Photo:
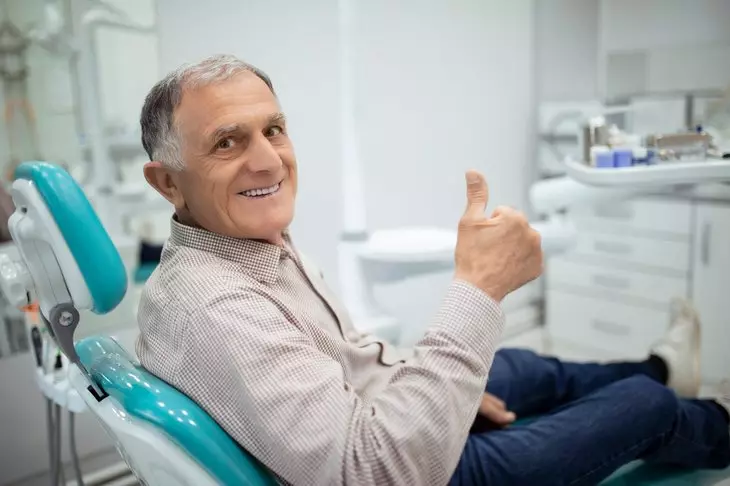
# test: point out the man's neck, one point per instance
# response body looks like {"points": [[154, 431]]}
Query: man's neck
{"points": [[277, 239]]}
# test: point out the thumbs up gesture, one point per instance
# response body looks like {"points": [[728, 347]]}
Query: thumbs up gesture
{"points": [[498, 254]]}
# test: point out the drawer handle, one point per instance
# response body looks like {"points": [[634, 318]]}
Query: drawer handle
{"points": [[612, 282], [615, 211], [705, 247], [610, 327], [612, 247]]}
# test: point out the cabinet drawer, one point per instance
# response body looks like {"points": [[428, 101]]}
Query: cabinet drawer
{"points": [[627, 330], [620, 248], [603, 279], [657, 215], [710, 283]]}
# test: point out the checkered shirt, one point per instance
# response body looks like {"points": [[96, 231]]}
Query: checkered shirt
{"points": [[250, 331]]}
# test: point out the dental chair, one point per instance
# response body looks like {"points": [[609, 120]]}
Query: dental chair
{"points": [[70, 263]]}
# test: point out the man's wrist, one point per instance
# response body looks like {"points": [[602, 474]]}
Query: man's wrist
{"points": [[495, 292], [472, 316]]}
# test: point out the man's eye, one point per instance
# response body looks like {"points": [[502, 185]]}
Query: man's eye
{"points": [[274, 131], [224, 144]]}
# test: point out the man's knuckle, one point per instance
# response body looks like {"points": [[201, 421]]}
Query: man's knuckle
{"points": [[465, 220]]}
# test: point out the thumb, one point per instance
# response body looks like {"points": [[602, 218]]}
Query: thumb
{"points": [[477, 194], [506, 417]]}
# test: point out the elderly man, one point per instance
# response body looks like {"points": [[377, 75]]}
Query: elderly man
{"points": [[237, 319]]}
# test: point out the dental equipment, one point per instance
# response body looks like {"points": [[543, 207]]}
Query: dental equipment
{"points": [[19, 116], [652, 176], [85, 17]]}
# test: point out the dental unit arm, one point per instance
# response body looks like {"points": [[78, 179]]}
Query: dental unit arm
{"points": [[585, 185]]}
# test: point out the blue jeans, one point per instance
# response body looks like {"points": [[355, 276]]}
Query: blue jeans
{"points": [[594, 419]]}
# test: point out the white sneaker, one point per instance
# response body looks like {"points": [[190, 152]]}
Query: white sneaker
{"points": [[680, 349], [723, 396]]}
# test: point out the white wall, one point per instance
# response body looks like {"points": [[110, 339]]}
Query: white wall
{"points": [[664, 45], [645, 24], [590, 48], [441, 86], [129, 64], [567, 49]]}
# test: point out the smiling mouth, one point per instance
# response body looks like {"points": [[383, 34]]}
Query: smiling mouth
{"points": [[261, 192]]}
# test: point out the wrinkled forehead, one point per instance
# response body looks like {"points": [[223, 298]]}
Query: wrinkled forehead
{"points": [[243, 99]]}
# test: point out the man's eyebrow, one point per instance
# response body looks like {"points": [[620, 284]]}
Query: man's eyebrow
{"points": [[277, 118], [225, 131]]}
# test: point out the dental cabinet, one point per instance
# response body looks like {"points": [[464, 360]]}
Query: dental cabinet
{"points": [[711, 287], [611, 292]]}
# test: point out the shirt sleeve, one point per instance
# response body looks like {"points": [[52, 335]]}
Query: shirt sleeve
{"points": [[289, 404]]}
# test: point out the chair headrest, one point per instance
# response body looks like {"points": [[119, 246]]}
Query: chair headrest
{"points": [[74, 232]]}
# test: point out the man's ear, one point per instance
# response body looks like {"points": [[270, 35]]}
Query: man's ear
{"points": [[165, 181]]}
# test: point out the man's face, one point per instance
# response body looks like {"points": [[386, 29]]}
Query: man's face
{"points": [[240, 176]]}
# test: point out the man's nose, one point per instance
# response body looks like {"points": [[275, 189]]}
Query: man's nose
{"points": [[264, 157]]}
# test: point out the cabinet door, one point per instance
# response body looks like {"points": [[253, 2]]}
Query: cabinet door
{"points": [[711, 288]]}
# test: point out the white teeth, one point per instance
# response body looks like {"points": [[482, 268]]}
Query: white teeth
{"points": [[261, 192]]}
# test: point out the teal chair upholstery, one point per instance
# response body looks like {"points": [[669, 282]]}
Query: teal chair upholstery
{"points": [[147, 398], [640, 474], [85, 236]]}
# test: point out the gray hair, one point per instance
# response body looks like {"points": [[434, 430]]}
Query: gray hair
{"points": [[160, 137]]}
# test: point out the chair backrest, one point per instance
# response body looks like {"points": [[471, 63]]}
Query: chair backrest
{"points": [[158, 429], [71, 262], [75, 234], [163, 435]]}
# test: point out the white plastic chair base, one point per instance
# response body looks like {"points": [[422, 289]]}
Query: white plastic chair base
{"points": [[148, 453]]}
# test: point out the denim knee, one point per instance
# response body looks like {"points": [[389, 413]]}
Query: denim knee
{"points": [[651, 399]]}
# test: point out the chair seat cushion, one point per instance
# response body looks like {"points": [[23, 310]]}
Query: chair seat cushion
{"points": [[641, 474], [147, 398]]}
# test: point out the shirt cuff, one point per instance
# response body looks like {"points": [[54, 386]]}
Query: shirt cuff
{"points": [[471, 316]]}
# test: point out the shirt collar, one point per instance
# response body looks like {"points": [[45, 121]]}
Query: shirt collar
{"points": [[260, 259]]}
